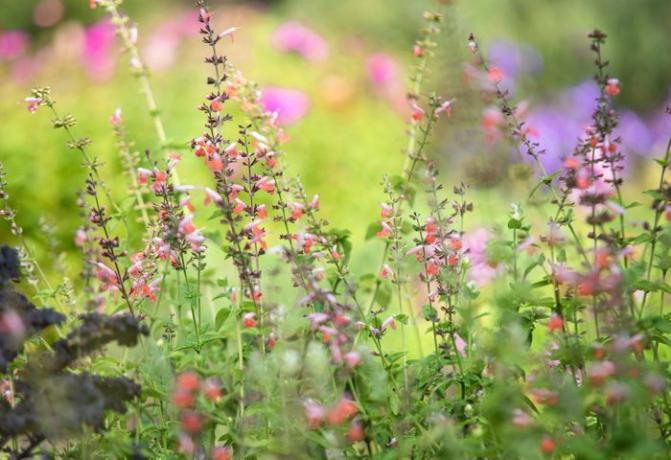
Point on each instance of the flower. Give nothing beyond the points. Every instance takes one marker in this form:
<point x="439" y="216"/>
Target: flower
<point x="191" y="422"/>
<point x="293" y="37"/>
<point x="355" y="432"/>
<point x="33" y="103"/>
<point x="382" y="69"/>
<point x="222" y="453"/>
<point x="315" y="414"/>
<point x="547" y="445"/>
<point x="555" y="323"/>
<point x="188" y="381"/>
<point x="612" y="87"/>
<point x="344" y="409"/>
<point x="386" y="272"/>
<point x="249" y="320"/>
<point x="13" y="44"/>
<point x="97" y="51"/>
<point x="290" y="105"/>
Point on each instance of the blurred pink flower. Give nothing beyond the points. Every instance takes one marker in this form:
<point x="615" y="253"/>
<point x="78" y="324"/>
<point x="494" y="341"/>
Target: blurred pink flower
<point x="160" y="51"/>
<point x="24" y="69"/>
<point x="290" y="105"/>
<point x="293" y="37"/>
<point x="382" y="69"/>
<point x="48" y="12"/>
<point x="97" y="50"/>
<point x="475" y="242"/>
<point x="13" y="44"/>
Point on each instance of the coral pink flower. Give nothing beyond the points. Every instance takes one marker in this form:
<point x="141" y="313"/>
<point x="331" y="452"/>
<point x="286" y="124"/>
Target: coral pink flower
<point x="547" y="445"/>
<point x="555" y="323"/>
<point x="290" y="105"/>
<point x="612" y="87"/>
<point x="188" y="381"/>
<point x="342" y="411"/>
<point x="385" y="232"/>
<point x="212" y="389"/>
<point x="191" y="422"/>
<point x="386" y="272"/>
<point x="249" y="320"/>
<point x="293" y="37"/>
<point x="355" y="432"/>
<point x="222" y="453"/>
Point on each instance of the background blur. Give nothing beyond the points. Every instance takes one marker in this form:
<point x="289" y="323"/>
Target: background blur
<point x="337" y="71"/>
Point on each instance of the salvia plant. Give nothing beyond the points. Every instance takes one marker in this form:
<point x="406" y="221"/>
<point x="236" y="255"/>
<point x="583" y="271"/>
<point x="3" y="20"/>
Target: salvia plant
<point x="223" y="319"/>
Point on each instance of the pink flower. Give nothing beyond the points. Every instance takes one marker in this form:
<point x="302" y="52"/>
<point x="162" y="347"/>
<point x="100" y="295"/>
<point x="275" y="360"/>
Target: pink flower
<point x="460" y="344"/>
<point x="385" y="232"/>
<point x="290" y="105"/>
<point x="389" y="322"/>
<point x="382" y="69"/>
<point x="293" y="37"/>
<point x="116" y="118"/>
<point x="97" y="51"/>
<point x="315" y="414"/>
<point x="48" y="12"/>
<point x="475" y="243"/>
<point x="33" y="103"/>
<point x="13" y="44"/>
<point x="352" y="359"/>
<point x="386" y="272"/>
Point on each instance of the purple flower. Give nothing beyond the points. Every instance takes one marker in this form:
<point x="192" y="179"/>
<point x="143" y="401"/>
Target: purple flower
<point x="635" y="135"/>
<point x="293" y="37"/>
<point x="580" y="100"/>
<point x="13" y="44"/>
<point x="97" y="50"/>
<point x="514" y="58"/>
<point x="556" y="132"/>
<point x="290" y="105"/>
<point x="382" y="69"/>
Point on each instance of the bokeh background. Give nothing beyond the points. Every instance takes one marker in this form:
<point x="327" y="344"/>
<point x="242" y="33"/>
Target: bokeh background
<point x="337" y="71"/>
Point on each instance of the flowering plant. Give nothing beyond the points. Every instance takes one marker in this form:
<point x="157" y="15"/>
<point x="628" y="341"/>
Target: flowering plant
<point x="261" y="339"/>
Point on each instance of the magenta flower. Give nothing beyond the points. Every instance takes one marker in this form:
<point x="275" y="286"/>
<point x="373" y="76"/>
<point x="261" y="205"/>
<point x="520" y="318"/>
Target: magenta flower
<point x="13" y="44"/>
<point x="290" y="105"/>
<point x="382" y="69"/>
<point x="97" y="50"/>
<point x="293" y="37"/>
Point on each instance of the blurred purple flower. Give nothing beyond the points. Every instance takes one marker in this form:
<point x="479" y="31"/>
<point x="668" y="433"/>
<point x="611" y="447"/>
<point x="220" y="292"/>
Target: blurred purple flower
<point x="580" y="100"/>
<point x="556" y="132"/>
<point x="97" y="50"/>
<point x="290" y="105"/>
<point x="660" y="128"/>
<point x="293" y="37"/>
<point x="635" y="135"/>
<point x="515" y="58"/>
<point x="13" y="44"/>
<point x="382" y="69"/>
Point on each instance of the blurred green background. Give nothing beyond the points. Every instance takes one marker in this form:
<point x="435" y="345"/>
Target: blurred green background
<point x="354" y="130"/>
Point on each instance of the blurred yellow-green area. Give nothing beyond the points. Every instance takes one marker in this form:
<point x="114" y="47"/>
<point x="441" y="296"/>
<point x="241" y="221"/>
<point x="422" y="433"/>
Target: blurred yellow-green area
<point x="348" y="63"/>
